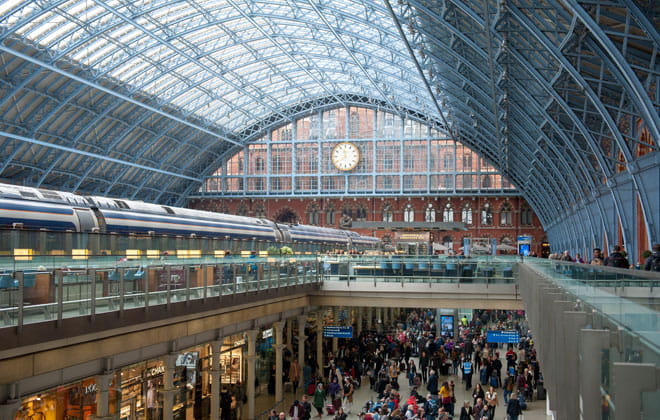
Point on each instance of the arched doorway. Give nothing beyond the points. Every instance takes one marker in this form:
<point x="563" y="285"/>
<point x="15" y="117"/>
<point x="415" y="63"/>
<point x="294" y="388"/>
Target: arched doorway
<point x="286" y="215"/>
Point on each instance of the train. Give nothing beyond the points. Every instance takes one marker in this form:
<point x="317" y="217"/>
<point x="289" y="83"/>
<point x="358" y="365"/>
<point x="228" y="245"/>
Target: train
<point x="31" y="208"/>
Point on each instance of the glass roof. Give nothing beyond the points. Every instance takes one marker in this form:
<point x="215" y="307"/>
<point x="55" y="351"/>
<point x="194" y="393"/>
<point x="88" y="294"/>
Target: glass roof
<point x="230" y="62"/>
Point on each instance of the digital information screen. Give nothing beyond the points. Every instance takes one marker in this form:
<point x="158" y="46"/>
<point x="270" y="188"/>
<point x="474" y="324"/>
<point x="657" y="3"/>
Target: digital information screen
<point x="447" y="325"/>
<point x="338" y="332"/>
<point x="511" y="337"/>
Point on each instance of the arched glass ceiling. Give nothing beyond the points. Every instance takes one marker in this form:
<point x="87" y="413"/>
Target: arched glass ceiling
<point x="144" y="98"/>
<point x="230" y="62"/>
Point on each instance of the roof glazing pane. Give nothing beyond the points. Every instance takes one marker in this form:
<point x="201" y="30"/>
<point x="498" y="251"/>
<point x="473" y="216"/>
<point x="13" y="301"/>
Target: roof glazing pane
<point x="258" y="55"/>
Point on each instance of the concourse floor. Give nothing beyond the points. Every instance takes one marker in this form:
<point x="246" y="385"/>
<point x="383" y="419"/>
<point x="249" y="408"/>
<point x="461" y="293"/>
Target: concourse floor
<point x="536" y="410"/>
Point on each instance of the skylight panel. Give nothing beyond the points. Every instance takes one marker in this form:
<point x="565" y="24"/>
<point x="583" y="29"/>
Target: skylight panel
<point x="61" y="29"/>
<point x="130" y="68"/>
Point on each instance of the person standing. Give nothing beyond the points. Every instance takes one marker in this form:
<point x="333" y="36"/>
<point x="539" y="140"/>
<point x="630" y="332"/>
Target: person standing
<point x="432" y="384"/>
<point x="616" y="258"/>
<point x="319" y="399"/>
<point x="467" y="373"/>
<point x="424" y="365"/>
<point x="653" y="261"/>
<point x="491" y="401"/>
<point x="513" y="409"/>
<point x="297" y="411"/>
<point x="294" y="374"/>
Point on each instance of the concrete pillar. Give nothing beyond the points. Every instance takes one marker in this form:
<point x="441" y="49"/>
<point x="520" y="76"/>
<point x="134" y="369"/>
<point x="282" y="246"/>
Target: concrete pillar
<point x="574" y="322"/>
<point x="386" y="316"/>
<point x="302" y="320"/>
<point x="169" y="390"/>
<point x="289" y="335"/>
<point x="103" y="383"/>
<point x="592" y="342"/>
<point x="9" y="408"/>
<point x="216" y="348"/>
<point x="319" y="341"/>
<point x="335" y="340"/>
<point x="370" y="317"/>
<point x="278" y="328"/>
<point x="358" y="328"/>
<point x="630" y="380"/>
<point x="251" y="371"/>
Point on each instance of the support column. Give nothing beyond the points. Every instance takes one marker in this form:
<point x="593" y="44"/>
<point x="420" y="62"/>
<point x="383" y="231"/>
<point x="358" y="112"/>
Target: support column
<point x="574" y="322"/>
<point x="10" y="407"/>
<point x="358" y="328"/>
<point x="278" y="328"/>
<point x="168" y="389"/>
<point x="103" y="383"/>
<point x="335" y="340"/>
<point x="216" y="348"/>
<point x="302" y="320"/>
<point x="289" y="335"/>
<point x="370" y="317"/>
<point x="386" y="316"/>
<point x="251" y="371"/>
<point x="630" y="380"/>
<point x="592" y="342"/>
<point x="319" y="342"/>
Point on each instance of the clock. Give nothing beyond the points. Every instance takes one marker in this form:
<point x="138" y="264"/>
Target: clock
<point x="345" y="156"/>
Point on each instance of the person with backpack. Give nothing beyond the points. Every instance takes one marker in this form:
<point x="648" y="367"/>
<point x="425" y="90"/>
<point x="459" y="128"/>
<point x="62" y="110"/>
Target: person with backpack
<point x="616" y="259"/>
<point x="653" y="261"/>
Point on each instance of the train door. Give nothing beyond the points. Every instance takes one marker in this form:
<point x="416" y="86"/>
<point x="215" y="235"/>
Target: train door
<point x="87" y="223"/>
<point x="86" y="220"/>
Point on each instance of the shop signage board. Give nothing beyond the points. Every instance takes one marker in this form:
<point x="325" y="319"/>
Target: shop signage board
<point x="511" y="337"/>
<point x="338" y="332"/>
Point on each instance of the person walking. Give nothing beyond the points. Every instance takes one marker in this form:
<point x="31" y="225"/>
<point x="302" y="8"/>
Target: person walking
<point x="319" y="399"/>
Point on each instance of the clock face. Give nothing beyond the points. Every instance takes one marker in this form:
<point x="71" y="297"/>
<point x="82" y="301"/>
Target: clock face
<point x="345" y="156"/>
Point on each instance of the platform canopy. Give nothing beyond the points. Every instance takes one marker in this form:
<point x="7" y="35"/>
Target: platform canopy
<point x="142" y="99"/>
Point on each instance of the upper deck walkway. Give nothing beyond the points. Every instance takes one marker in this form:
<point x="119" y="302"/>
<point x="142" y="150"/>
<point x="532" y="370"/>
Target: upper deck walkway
<point x="57" y="313"/>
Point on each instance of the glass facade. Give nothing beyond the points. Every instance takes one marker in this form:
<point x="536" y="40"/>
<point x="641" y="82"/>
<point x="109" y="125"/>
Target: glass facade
<point x="396" y="156"/>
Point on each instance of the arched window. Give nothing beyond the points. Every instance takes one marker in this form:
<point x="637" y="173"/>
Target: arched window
<point x="347" y="211"/>
<point x="361" y="213"/>
<point x="486" y="182"/>
<point x="526" y="216"/>
<point x="387" y="213"/>
<point x="330" y="215"/>
<point x="486" y="215"/>
<point x="506" y="218"/>
<point x="429" y="214"/>
<point x="354" y="125"/>
<point x="313" y="214"/>
<point x="448" y="213"/>
<point x="466" y="214"/>
<point x="242" y="210"/>
<point x="259" y="164"/>
<point x="408" y="213"/>
<point x="260" y="212"/>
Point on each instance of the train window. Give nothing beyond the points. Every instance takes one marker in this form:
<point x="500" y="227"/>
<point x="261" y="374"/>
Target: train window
<point x="168" y="210"/>
<point x="121" y="204"/>
<point x="51" y="195"/>
<point x="28" y="194"/>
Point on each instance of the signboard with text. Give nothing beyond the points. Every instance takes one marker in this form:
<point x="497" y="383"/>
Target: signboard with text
<point x="511" y="337"/>
<point x="338" y="332"/>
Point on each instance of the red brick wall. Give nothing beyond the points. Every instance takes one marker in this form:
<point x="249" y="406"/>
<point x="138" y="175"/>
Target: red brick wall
<point x="274" y="207"/>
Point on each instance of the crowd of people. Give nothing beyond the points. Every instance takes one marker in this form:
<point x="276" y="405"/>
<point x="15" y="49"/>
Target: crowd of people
<point x="617" y="258"/>
<point x="430" y="365"/>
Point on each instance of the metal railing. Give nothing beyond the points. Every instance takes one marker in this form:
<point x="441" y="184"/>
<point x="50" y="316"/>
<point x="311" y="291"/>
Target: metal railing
<point x="44" y="289"/>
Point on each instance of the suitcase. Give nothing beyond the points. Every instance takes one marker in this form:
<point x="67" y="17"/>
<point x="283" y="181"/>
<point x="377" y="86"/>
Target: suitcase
<point x="482" y="376"/>
<point x="336" y="403"/>
<point x="494" y="382"/>
<point x="540" y="392"/>
<point x="330" y="409"/>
